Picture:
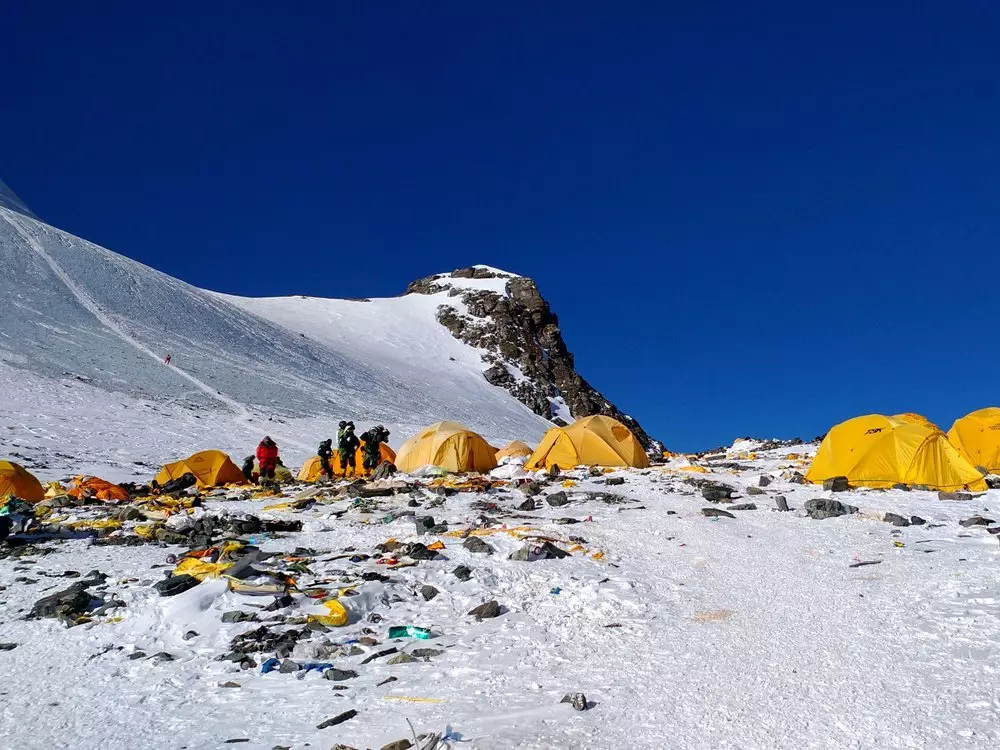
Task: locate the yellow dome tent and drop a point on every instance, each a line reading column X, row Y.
column 17, row 481
column 514, row 448
column 977, row 438
column 591, row 441
column 880, row 451
column 312, row 469
column 211, row 468
column 450, row 445
column 912, row 418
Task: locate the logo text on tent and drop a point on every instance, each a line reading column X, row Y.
column 874, row 430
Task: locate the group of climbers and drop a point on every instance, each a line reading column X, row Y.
column 266, row 460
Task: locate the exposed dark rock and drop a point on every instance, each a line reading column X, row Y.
column 339, row 675
column 836, row 484
column 917, row 521
column 477, row 546
column 384, row 470
column 896, row 520
column 764, row 480
column 528, row 504
column 613, row 481
column 743, row 506
column 519, row 329
column 462, row 572
column 820, row 509
column 755, row 491
column 977, row 521
column 66, row 605
column 487, row 610
column 428, row 592
column 954, row 496
column 176, row 584
column 339, row 719
column 716, row 492
column 557, row 499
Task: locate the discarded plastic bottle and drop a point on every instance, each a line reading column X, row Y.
column 409, row 631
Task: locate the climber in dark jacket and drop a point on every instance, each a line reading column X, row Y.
column 372, row 447
column 348, row 446
column 325, row 453
column 248, row 468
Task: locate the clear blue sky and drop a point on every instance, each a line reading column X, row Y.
column 752, row 218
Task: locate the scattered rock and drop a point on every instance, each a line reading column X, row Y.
column 229, row 684
column 917, row 521
column 896, row 520
column 462, row 572
column 754, row 491
column 781, row 503
column 764, row 480
column 339, row 719
column 614, row 481
column 716, row 492
column 820, row 509
column 901, row 486
column 161, row 658
column 743, row 506
column 486, row 611
column 577, row 700
column 954, row 496
column 189, row 635
column 398, row 745
column 288, row 666
column 836, row 484
column 477, row 546
column 530, row 488
column 716, row 513
column 66, row 605
column 797, row 478
column 426, row 653
column 7, row 646
column 238, row 616
column 428, row 592
column 528, row 504
column 418, row 551
column 976, row 521
column 557, row 499
column 340, row 675
column 386, row 681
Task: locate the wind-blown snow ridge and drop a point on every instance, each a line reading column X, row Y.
column 8, row 199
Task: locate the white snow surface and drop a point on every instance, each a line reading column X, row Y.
column 691, row 632
column 85, row 330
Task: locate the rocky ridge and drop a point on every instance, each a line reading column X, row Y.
column 522, row 347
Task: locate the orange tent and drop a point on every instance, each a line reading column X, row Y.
column 97, row 487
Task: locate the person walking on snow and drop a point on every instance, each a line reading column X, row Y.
column 372, row 447
column 348, row 446
column 166, row 360
column 267, row 457
column 325, row 453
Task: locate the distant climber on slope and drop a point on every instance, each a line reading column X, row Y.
column 372, row 447
column 166, row 360
column 325, row 453
column 348, row 446
column 267, row 456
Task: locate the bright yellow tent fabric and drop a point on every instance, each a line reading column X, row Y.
column 449, row 445
column 977, row 438
column 514, row 448
column 282, row 474
column 880, row 451
column 16, row 481
column 591, row 441
column 312, row 469
column 912, row 418
column 211, row 468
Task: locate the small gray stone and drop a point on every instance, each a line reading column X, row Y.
column 403, row 744
column 339, row 675
column 338, row 719
column 528, row 504
column 161, row 658
column 477, row 546
column 557, row 499
column 7, row 646
column 743, row 506
column 917, row 521
column 485, row 611
column 717, row 493
column 288, row 666
column 428, row 592
column 462, row 572
column 976, row 521
column 954, row 496
column 820, row 509
column 189, row 635
column 764, row 480
column 426, row 653
column 836, row 484
column 401, row 659
column 614, row 481
column 755, row 491
column 896, row 520
column 577, row 700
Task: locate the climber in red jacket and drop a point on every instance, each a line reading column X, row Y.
column 267, row 456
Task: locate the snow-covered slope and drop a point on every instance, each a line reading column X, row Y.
column 84, row 333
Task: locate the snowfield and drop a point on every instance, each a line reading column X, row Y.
column 683, row 631
column 85, row 332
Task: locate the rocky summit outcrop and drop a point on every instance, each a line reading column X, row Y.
column 522, row 347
